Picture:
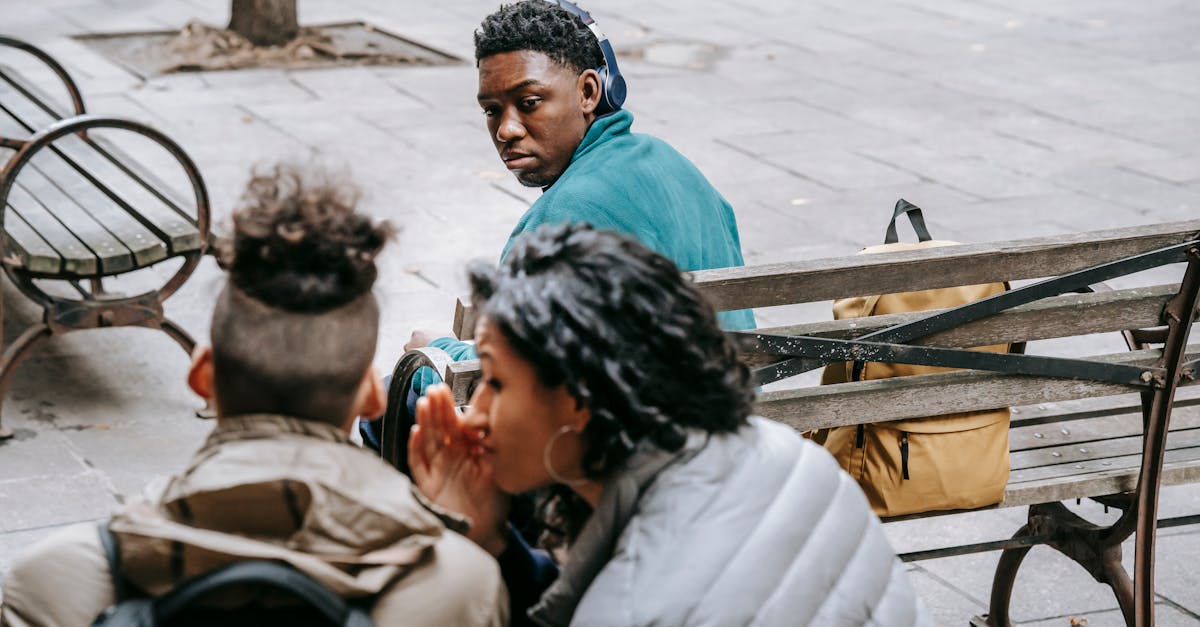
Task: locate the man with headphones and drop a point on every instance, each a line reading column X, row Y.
column 552, row 93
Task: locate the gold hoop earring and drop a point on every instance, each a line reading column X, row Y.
column 550, row 465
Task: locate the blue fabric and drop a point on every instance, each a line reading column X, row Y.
column 527, row 572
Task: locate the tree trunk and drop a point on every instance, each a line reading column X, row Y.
column 265, row 22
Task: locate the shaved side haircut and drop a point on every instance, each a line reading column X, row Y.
column 294, row 331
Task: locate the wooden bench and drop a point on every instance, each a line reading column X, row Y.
column 75, row 210
column 1077, row 431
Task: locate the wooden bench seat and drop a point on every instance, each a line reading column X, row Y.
column 80, row 208
column 75, row 209
column 1083, row 426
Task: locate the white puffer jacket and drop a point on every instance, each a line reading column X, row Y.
column 758, row 527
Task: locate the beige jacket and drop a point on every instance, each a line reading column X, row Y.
column 276, row 488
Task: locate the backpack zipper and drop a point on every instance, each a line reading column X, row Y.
column 859, row 437
column 904, row 453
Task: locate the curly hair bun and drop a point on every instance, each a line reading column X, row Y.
column 298, row 243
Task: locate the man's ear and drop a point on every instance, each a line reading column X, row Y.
column 200, row 376
column 371, row 399
column 589, row 91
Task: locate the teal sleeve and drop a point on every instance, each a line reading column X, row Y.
column 740, row 320
column 457, row 350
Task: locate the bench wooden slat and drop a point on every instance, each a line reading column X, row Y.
column 82, row 225
column 932, row 395
column 837, row 277
column 1059, row 316
column 1101, row 447
column 1070, row 431
column 155, row 203
column 67, row 252
column 23, row 242
column 1181, row 466
column 464, row 319
column 91, row 178
column 93, row 225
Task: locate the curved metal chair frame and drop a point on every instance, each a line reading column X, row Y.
column 60, row 314
column 397, row 421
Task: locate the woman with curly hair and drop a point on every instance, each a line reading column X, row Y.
column 606, row 379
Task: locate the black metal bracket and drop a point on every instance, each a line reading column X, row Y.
column 983, row 308
column 833, row 350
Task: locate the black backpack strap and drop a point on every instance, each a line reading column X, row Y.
column 914, row 216
column 112, row 551
column 280, row 576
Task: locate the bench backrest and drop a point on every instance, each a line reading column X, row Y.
column 854, row 275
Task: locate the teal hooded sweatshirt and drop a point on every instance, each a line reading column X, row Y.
column 641, row 186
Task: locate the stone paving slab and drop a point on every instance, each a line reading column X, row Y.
column 1002, row 119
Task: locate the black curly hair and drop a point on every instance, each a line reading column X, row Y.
column 619, row 325
column 295, row 329
column 542, row 27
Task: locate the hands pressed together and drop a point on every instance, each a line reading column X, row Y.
column 449, row 467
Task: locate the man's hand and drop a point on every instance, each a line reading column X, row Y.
column 447, row 467
column 422, row 337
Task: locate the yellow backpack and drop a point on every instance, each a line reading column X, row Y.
column 956, row 461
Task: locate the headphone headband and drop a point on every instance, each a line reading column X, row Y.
column 612, row 84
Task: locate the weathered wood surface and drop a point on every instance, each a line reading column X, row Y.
column 71, row 252
column 1061, row 459
column 1058, row 316
column 932, row 395
column 1031, row 417
column 464, row 319
column 1077, row 423
column 857, row 275
column 1181, row 466
column 143, row 217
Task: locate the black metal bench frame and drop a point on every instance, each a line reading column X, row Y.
column 94, row 307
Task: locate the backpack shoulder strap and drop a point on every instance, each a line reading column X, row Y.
column 112, row 551
column 272, row 574
column 915, row 216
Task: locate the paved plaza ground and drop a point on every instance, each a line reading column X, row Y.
column 1004, row 119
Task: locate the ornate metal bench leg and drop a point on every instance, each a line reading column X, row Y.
column 184, row 339
column 12, row 358
column 1002, row 582
column 181, row 337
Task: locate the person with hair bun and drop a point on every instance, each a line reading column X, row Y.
column 293, row 336
column 606, row 379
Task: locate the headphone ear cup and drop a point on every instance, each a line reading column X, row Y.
column 612, row 91
column 602, row 104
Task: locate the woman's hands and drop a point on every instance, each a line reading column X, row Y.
column 448, row 466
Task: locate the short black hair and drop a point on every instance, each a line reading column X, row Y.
column 295, row 329
column 632, row 339
column 542, row 27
